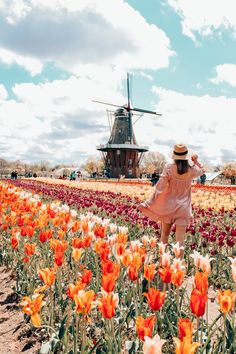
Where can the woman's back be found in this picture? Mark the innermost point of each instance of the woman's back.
(171, 200)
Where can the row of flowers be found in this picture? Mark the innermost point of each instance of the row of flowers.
(93, 288)
(211, 229)
(204, 196)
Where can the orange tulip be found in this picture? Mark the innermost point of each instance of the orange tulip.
(149, 271)
(102, 248)
(45, 235)
(99, 231)
(14, 243)
(47, 275)
(77, 242)
(104, 253)
(185, 328)
(177, 278)
(226, 300)
(107, 305)
(87, 240)
(126, 259)
(75, 288)
(59, 258)
(58, 246)
(186, 346)
(40, 289)
(133, 272)
(30, 249)
(142, 253)
(122, 238)
(76, 226)
(108, 282)
(137, 259)
(198, 303)
(29, 231)
(201, 282)
(86, 277)
(32, 308)
(152, 242)
(76, 254)
(144, 326)
(111, 267)
(155, 298)
(165, 274)
(84, 301)
(98, 245)
(120, 249)
(85, 227)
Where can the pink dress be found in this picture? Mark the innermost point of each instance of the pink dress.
(171, 200)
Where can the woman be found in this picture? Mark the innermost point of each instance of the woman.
(171, 201)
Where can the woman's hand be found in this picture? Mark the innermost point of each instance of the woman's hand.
(194, 158)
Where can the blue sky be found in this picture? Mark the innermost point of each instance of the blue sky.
(192, 64)
(55, 57)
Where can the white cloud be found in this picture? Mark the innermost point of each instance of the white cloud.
(55, 121)
(225, 73)
(147, 76)
(205, 16)
(3, 93)
(205, 123)
(33, 66)
(199, 86)
(78, 35)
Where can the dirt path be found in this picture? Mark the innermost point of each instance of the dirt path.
(15, 336)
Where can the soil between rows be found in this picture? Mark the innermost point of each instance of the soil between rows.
(15, 335)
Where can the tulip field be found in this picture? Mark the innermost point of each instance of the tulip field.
(93, 277)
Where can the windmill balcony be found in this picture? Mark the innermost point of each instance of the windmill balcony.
(105, 147)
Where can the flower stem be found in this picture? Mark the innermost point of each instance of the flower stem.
(52, 307)
(76, 335)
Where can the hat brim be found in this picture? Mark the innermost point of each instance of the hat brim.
(183, 157)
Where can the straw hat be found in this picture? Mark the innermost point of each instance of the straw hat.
(180, 152)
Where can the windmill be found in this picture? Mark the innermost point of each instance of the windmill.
(122, 154)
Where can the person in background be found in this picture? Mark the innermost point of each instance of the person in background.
(203, 179)
(73, 176)
(170, 202)
(155, 178)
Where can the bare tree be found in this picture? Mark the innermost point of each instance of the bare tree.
(229, 171)
(3, 165)
(93, 164)
(153, 161)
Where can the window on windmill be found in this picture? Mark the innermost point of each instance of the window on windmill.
(118, 152)
(129, 162)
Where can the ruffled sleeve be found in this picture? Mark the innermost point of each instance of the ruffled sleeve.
(197, 171)
(160, 186)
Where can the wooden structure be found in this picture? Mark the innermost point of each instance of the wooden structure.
(122, 154)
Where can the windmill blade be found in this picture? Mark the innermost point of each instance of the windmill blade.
(109, 104)
(128, 90)
(140, 116)
(145, 111)
(130, 134)
(109, 116)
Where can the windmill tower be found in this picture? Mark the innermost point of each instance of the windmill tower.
(122, 154)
